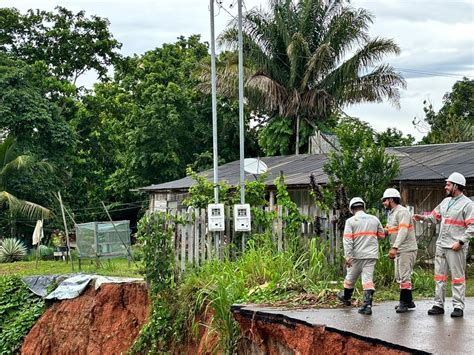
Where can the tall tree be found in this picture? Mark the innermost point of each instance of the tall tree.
(69, 43)
(454, 122)
(311, 58)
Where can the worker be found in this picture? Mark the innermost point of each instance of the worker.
(456, 217)
(360, 242)
(403, 246)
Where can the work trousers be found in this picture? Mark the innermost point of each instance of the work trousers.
(455, 261)
(404, 264)
(364, 267)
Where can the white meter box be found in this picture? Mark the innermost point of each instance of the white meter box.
(242, 221)
(215, 217)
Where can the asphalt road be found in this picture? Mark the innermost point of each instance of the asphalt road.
(414, 330)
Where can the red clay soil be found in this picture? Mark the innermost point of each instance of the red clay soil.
(260, 337)
(105, 321)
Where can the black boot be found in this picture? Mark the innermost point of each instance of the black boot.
(406, 301)
(367, 306)
(345, 296)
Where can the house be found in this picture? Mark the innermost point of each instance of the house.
(423, 170)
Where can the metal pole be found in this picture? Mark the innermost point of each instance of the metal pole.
(241, 105)
(214, 104)
(66, 231)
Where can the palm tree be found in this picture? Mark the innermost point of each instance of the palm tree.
(311, 58)
(11, 161)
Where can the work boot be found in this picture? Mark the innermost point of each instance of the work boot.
(406, 301)
(345, 296)
(457, 313)
(435, 310)
(367, 305)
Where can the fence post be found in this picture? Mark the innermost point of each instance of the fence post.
(190, 236)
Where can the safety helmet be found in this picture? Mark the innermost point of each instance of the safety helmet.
(390, 193)
(356, 202)
(457, 179)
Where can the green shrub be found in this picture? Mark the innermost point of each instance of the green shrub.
(45, 252)
(19, 310)
(12, 250)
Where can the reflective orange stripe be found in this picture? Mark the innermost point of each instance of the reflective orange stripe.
(469, 221)
(360, 234)
(436, 214)
(458, 281)
(454, 222)
(408, 226)
(405, 285)
(368, 285)
(380, 234)
(440, 277)
(392, 229)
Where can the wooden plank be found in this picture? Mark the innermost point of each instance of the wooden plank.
(196, 236)
(190, 236)
(183, 246)
(279, 231)
(202, 235)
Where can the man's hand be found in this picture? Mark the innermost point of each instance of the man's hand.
(418, 217)
(392, 253)
(456, 246)
(348, 262)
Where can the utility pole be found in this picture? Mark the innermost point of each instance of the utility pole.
(241, 105)
(214, 105)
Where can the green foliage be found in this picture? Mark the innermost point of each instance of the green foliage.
(454, 122)
(19, 309)
(360, 165)
(393, 137)
(11, 250)
(155, 234)
(70, 43)
(307, 60)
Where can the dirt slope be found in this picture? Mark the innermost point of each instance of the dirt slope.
(105, 321)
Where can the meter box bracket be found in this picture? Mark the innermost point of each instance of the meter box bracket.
(215, 217)
(242, 222)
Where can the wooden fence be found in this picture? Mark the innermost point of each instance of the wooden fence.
(194, 244)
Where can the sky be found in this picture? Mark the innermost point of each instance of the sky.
(435, 37)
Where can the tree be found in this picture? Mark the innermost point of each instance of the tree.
(11, 162)
(309, 59)
(360, 165)
(454, 122)
(70, 44)
(157, 122)
(393, 137)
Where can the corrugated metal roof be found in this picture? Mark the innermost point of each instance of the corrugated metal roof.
(422, 162)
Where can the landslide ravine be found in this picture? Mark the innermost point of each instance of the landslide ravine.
(105, 321)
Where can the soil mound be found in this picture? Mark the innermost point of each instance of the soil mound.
(105, 321)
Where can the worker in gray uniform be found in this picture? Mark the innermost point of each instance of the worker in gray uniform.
(403, 246)
(360, 242)
(456, 217)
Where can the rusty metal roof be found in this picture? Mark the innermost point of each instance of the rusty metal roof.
(420, 162)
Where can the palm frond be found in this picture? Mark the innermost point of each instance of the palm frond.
(23, 208)
(274, 94)
(383, 82)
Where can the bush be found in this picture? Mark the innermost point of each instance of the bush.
(12, 250)
(19, 310)
(45, 252)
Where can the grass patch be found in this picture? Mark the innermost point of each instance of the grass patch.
(116, 267)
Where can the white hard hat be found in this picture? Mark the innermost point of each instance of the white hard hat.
(390, 193)
(457, 178)
(356, 200)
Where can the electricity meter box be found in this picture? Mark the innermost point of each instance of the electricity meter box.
(242, 221)
(215, 217)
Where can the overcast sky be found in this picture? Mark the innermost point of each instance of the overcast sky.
(435, 37)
